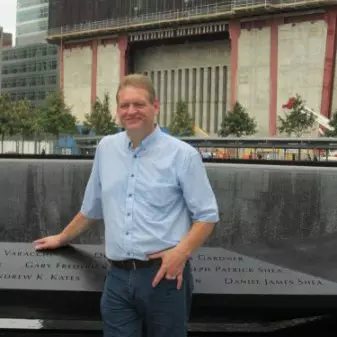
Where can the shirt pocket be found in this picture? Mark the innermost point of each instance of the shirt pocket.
(163, 195)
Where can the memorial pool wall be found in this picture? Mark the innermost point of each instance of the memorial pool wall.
(277, 216)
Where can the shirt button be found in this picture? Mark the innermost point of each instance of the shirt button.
(128, 254)
(130, 195)
(127, 233)
(132, 175)
(129, 214)
(135, 156)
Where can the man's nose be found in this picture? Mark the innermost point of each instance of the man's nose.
(131, 109)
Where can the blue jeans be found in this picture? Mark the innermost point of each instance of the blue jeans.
(130, 305)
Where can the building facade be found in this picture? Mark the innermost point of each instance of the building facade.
(208, 53)
(30, 71)
(6, 39)
(64, 12)
(31, 21)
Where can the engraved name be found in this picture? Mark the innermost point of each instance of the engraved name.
(10, 252)
(202, 257)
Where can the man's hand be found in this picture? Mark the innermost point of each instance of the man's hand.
(49, 242)
(78, 225)
(172, 267)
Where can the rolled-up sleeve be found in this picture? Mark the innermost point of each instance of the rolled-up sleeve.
(197, 190)
(92, 203)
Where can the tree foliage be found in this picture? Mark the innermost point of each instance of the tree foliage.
(54, 116)
(6, 124)
(182, 123)
(238, 123)
(297, 121)
(333, 123)
(100, 119)
(19, 117)
(16, 117)
(23, 118)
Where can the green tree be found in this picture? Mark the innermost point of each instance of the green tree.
(238, 123)
(182, 123)
(5, 109)
(100, 119)
(54, 116)
(333, 123)
(297, 121)
(15, 117)
(23, 118)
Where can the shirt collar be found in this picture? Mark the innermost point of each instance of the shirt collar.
(147, 141)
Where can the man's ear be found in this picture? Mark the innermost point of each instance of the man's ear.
(156, 105)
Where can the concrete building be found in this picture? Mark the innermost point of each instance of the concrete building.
(30, 69)
(210, 53)
(6, 39)
(31, 21)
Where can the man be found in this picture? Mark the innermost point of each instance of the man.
(153, 193)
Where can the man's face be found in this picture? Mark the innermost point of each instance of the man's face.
(134, 110)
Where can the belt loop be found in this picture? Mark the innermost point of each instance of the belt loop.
(134, 264)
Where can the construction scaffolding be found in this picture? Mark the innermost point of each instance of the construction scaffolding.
(127, 17)
(30, 72)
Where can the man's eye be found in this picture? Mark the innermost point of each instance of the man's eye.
(137, 105)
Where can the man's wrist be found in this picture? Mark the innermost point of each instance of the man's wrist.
(185, 251)
(63, 239)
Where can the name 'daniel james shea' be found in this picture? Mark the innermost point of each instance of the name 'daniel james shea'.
(269, 282)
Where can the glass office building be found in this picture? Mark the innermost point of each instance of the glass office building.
(30, 71)
(31, 21)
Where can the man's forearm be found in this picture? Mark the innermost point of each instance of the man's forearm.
(197, 235)
(77, 226)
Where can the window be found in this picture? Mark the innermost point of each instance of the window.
(32, 27)
(32, 81)
(40, 95)
(31, 95)
(31, 14)
(5, 70)
(53, 64)
(29, 3)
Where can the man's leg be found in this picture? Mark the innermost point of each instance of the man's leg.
(117, 308)
(167, 308)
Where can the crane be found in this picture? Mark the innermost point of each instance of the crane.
(322, 120)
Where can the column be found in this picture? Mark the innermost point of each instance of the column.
(94, 47)
(329, 62)
(234, 34)
(61, 51)
(274, 25)
(123, 60)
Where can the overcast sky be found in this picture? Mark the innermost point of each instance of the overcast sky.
(8, 16)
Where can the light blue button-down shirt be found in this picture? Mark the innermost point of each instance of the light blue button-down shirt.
(148, 196)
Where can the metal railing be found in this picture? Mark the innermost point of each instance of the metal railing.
(220, 9)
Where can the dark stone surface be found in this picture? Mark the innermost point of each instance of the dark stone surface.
(39, 197)
(258, 203)
(279, 214)
(83, 268)
(80, 268)
(277, 234)
(194, 329)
